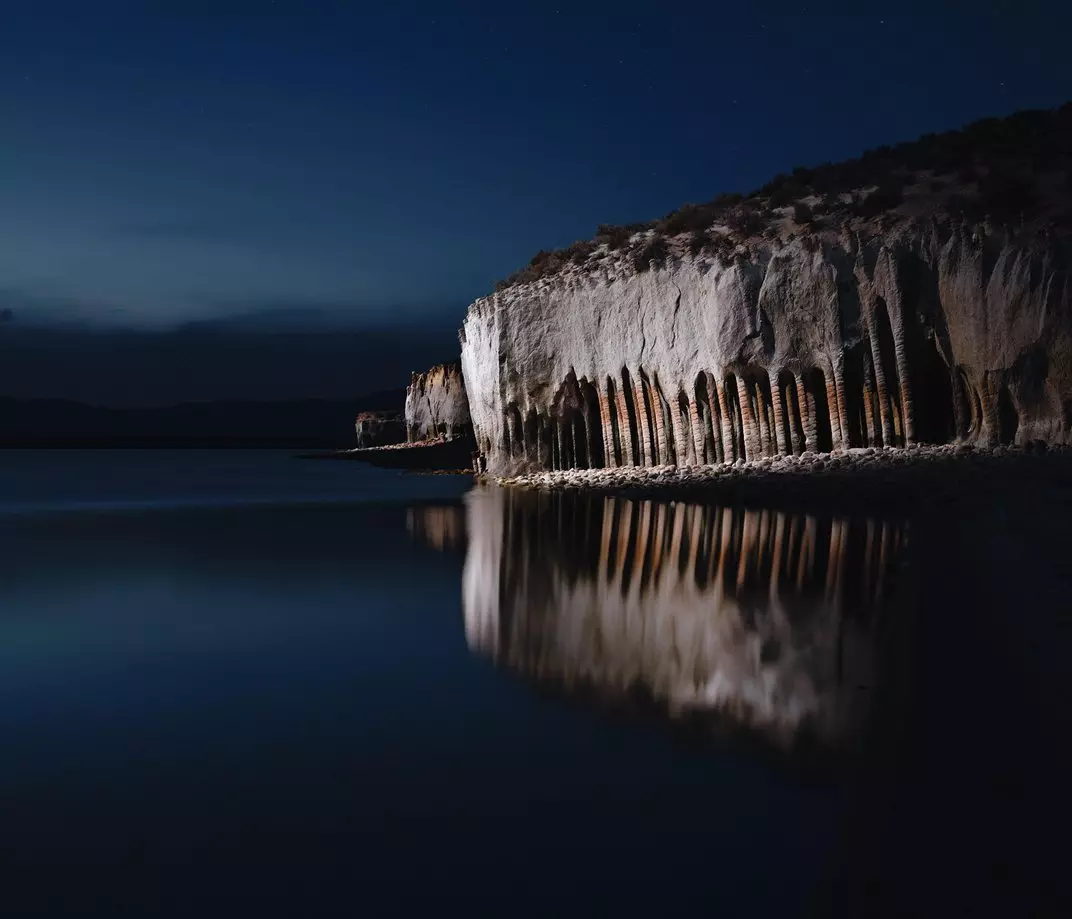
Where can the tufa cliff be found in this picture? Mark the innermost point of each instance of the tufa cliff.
(918, 294)
(377, 429)
(436, 404)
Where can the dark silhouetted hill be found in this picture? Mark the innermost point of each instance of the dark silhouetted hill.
(306, 424)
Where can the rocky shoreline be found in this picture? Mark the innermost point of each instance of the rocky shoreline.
(435, 454)
(854, 479)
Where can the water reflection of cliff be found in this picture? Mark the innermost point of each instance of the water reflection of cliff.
(754, 619)
(441, 527)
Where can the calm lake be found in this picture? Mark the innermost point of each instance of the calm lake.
(237, 683)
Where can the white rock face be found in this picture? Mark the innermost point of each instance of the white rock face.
(932, 334)
(436, 404)
(376, 429)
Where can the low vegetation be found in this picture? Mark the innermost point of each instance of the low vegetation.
(988, 170)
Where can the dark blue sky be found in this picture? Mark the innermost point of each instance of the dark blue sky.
(382, 163)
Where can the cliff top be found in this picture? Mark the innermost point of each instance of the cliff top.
(379, 415)
(445, 369)
(1014, 171)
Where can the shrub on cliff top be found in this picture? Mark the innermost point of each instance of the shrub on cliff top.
(616, 237)
(878, 202)
(785, 191)
(692, 218)
(999, 153)
(1005, 194)
(652, 253)
(580, 251)
(744, 220)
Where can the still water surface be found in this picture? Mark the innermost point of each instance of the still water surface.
(242, 681)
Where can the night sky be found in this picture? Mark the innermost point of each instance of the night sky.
(347, 165)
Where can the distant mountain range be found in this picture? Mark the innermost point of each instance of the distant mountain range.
(305, 424)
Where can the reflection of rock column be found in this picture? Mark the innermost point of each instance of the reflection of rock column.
(885, 538)
(776, 556)
(441, 527)
(697, 606)
(625, 540)
(606, 533)
(834, 564)
(481, 596)
(806, 557)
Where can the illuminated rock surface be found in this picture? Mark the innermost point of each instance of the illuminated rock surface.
(882, 320)
(377, 429)
(436, 404)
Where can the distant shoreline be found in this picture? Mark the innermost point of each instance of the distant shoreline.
(62, 442)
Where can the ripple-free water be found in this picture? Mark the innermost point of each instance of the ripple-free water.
(236, 681)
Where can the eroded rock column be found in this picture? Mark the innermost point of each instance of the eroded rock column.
(807, 409)
(718, 419)
(659, 446)
(624, 428)
(699, 430)
(779, 414)
(610, 454)
(833, 404)
(880, 386)
(681, 444)
(759, 407)
(908, 411)
(643, 424)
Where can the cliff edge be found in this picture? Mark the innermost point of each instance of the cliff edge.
(436, 404)
(918, 294)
